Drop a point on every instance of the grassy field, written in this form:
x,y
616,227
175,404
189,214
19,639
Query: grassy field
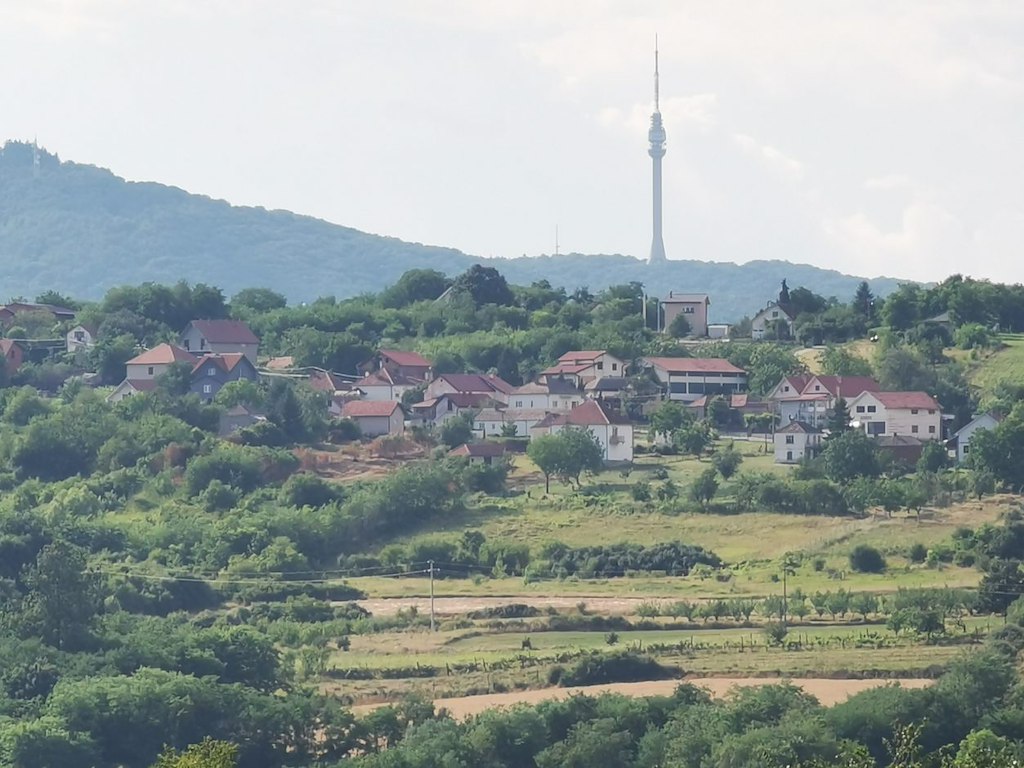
x,y
1003,365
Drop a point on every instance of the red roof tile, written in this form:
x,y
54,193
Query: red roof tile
x,y
354,409
842,386
479,450
405,359
227,361
163,354
592,412
694,365
476,383
586,355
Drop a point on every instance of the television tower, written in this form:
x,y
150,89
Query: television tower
x,y
656,137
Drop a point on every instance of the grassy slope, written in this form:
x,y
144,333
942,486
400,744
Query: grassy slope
x,y
1003,365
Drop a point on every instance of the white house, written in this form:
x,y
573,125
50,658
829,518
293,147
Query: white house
x,y
375,417
796,441
81,338
491,422
580,367
552,394
897,413
614,432
964,435
816,397
202,337
688,378
436,411
155,362
383,385
130,387
772,322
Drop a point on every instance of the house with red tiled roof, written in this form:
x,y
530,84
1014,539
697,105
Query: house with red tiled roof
x,y
12,355
401,364
204,337
130,387
435,411
686,379
487,384
375,417
212,372
614,432
155,362
583,366
886,414
818,396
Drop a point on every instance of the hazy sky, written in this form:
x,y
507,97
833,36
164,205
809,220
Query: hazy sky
x,y
871,137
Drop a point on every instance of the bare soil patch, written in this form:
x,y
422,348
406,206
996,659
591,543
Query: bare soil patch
x,y
829,692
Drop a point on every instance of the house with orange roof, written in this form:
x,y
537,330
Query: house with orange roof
x,y
818,396
686,379
155,362
486,384
400,364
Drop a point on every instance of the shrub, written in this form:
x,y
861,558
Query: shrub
x,y
918,553
866,559
621,667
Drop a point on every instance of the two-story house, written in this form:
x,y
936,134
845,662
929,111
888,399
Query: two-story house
x,y
686,379
552,394
964,435
614,432
879,414
410,366
817,397
693,306
142,371
212,372
204,337
797,441
436,411
772,322
581,367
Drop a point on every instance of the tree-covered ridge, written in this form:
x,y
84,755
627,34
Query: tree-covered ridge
x,y
80,229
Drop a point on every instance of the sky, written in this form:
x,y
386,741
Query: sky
x,y
876,138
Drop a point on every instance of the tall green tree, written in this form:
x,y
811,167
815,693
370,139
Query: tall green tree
x,y
62,598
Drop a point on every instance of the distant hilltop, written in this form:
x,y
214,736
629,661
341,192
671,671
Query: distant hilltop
x,y
80,229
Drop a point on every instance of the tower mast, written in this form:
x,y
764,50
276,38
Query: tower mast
x,y
656,139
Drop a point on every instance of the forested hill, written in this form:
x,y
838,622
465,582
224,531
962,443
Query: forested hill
x,y
79,229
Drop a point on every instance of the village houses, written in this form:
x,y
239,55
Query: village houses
x,y
204,337
686,379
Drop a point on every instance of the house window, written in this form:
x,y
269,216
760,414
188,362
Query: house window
x,y
207,389
186,343
913,411
615,366
931,412
860,409
872,409
967,448
600,366
519,403
774,315
554,403
451,405
202,343
150,369
79,335
688,310
789,440
913,429
931,430
789,455
210,371
785,389
876,427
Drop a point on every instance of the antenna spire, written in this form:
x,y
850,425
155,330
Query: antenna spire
x,y
656,107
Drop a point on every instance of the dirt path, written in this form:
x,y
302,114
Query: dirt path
x,y
454,606
827,691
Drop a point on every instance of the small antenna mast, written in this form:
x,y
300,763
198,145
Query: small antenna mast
x,y
656,95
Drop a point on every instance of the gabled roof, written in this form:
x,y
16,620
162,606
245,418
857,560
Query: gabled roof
x,y
796,383
994,416
243,410
905,400
92,330
354,409
405,359
735,401
897,441
476,382
607,384
549,387
382,377
6,345
842,386
479,450
592,412
798,427
21,306
282,363
582,356
693,365
327,381
467,399
163,354
942,317
774,305
225,331
227,361
139,385
559,369
490,414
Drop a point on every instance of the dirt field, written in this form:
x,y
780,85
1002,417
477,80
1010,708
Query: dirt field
x,y
827,691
